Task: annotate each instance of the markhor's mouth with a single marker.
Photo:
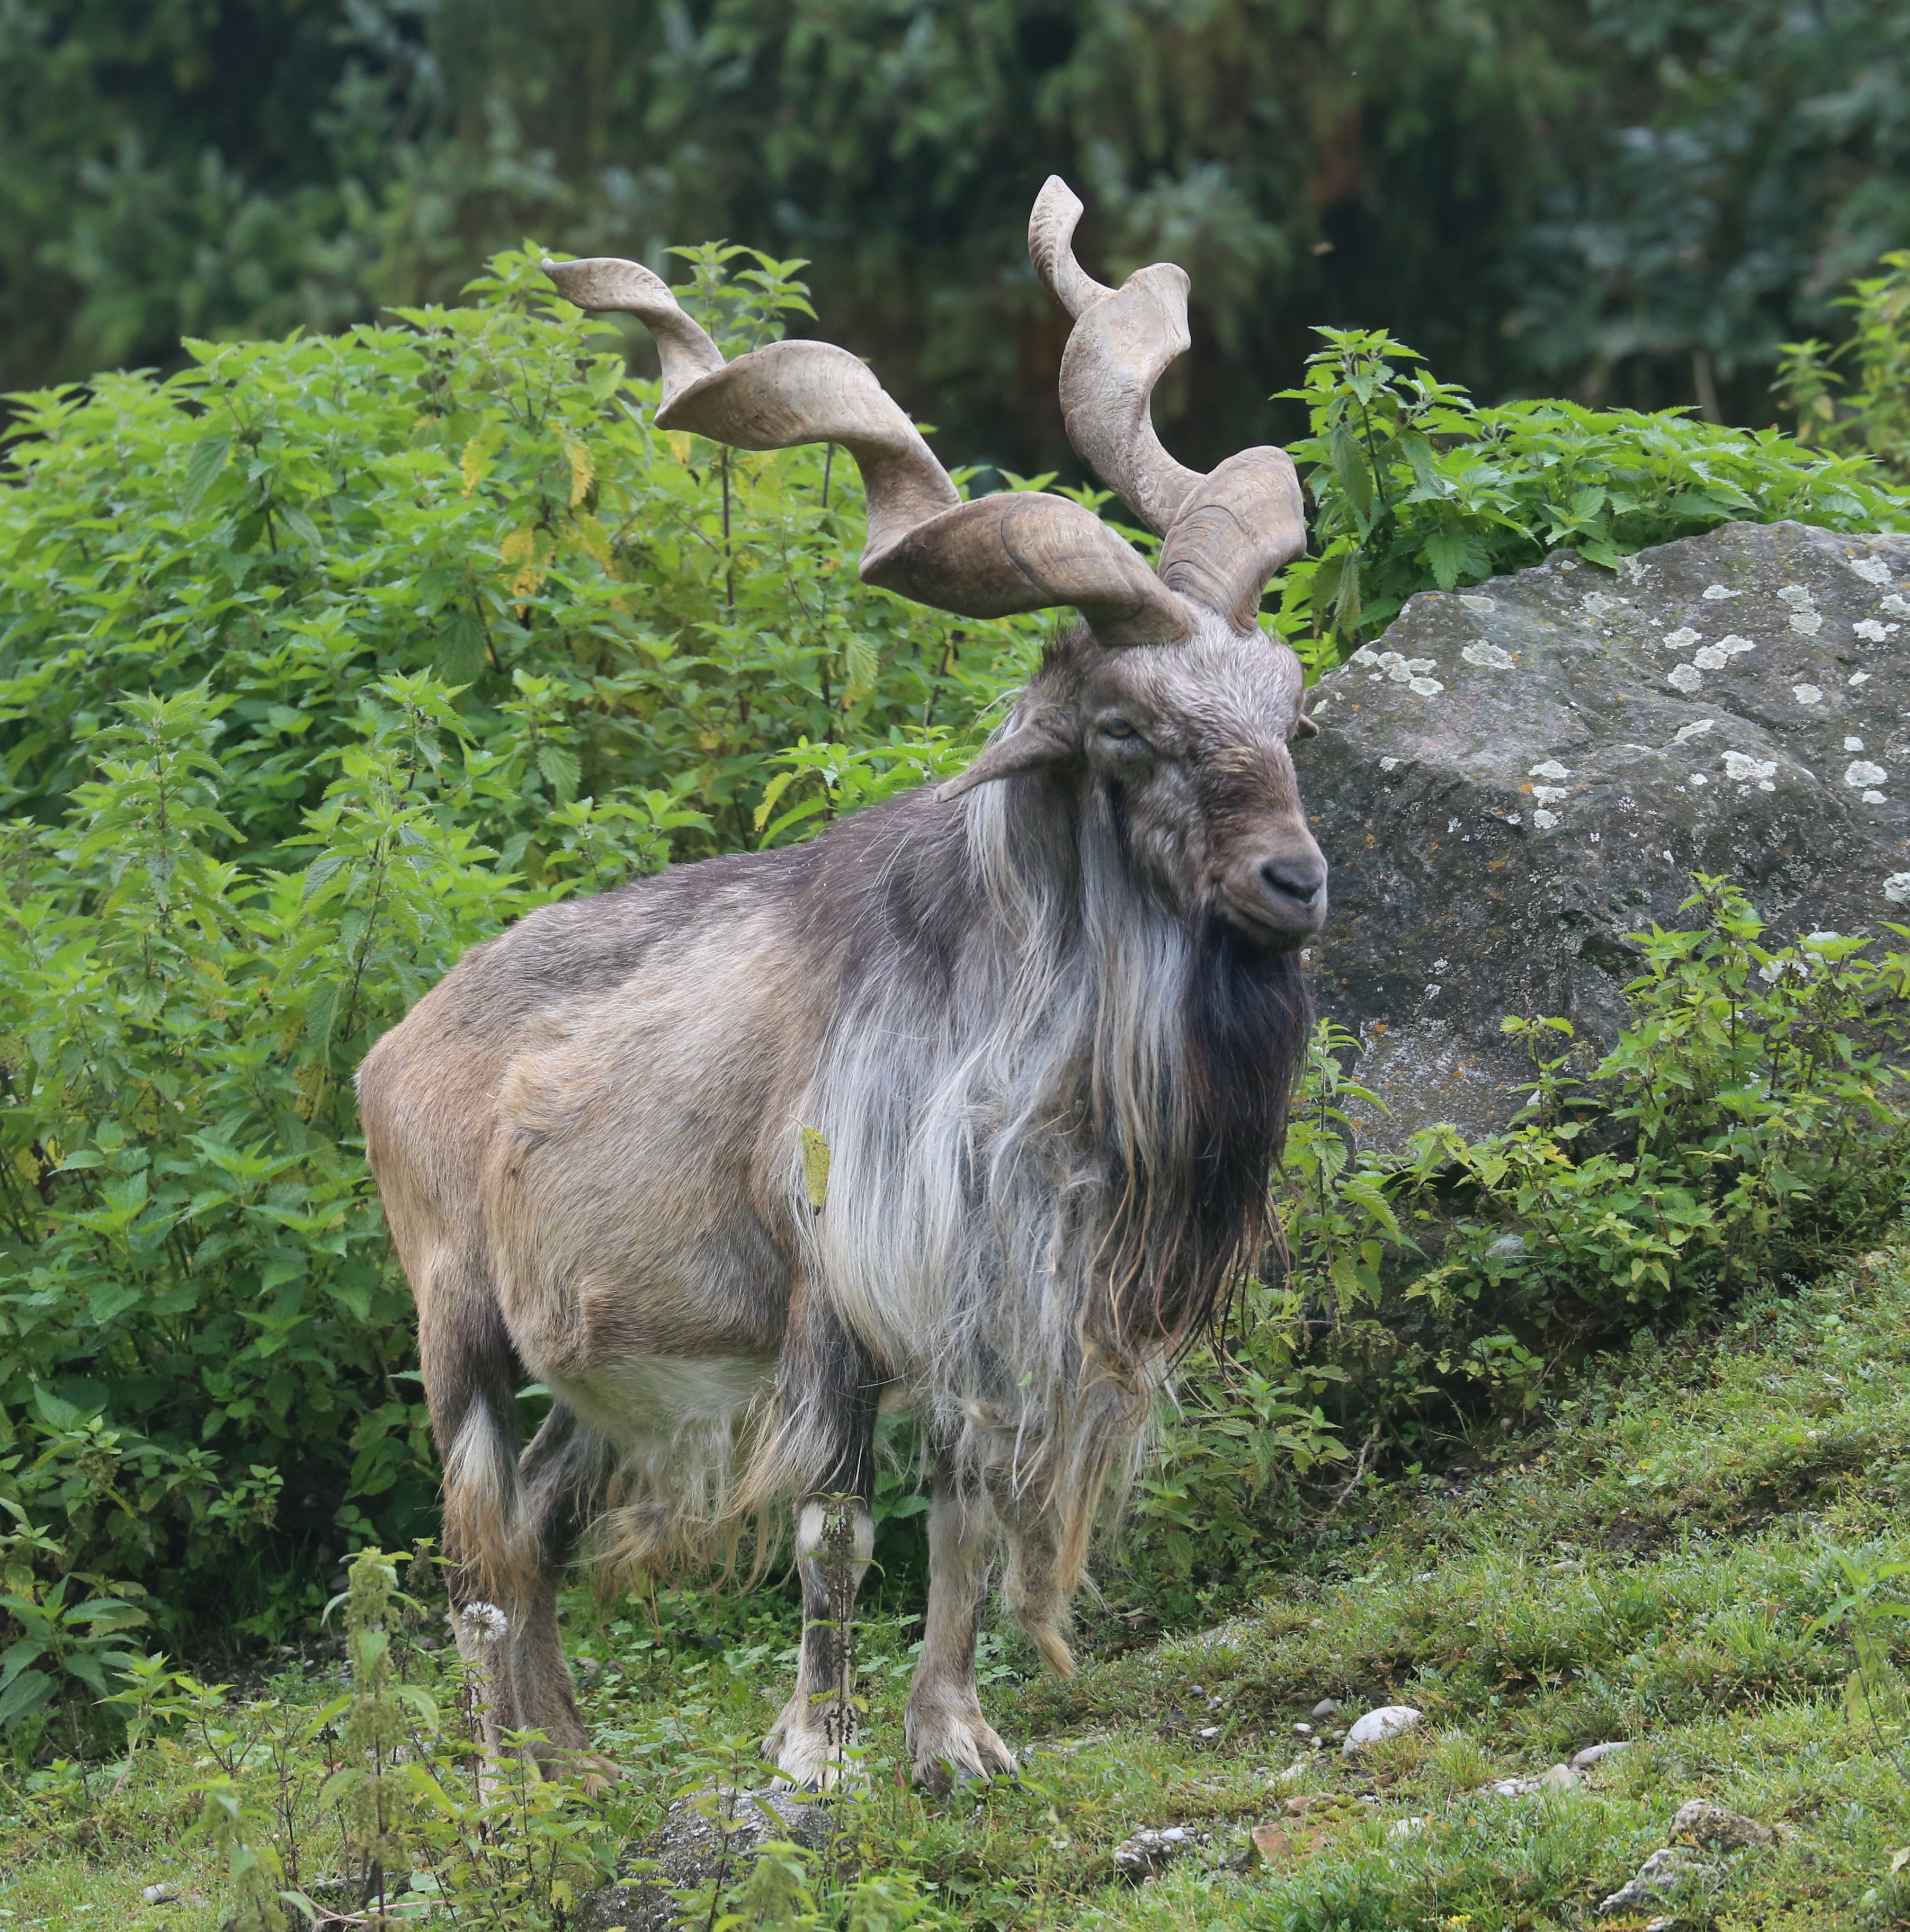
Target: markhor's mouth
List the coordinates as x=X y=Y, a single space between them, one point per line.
x=1259 y=925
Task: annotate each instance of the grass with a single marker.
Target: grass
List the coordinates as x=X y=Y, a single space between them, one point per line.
x=1649 y=1570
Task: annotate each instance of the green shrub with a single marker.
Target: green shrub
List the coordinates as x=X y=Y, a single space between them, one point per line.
x=319 y=663
x=323 y=660
x=1870 y=411
x=1414 y=487
x=1750 y=1124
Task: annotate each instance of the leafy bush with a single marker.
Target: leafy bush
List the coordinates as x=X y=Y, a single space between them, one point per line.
x=1416 y=487
x=319 y=664
x=1871 y=412
x=323 y=660
x=1751 y=1123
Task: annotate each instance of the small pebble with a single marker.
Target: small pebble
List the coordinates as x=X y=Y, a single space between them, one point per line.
x=1597 y=1753
x=1208 y=1731
x=1326 y=1709
x=1404 y=1828
x=1303 y=1730
x=1389 y=1721
x=161 y=1894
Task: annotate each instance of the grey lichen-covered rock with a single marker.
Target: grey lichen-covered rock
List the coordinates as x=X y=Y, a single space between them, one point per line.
x=1148 y=1852
x=1515 y=777
x=1665 y=1871
x=1721 y=1829
x=692 y=1847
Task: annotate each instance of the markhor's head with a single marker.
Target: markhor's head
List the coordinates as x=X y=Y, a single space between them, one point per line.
x=1170 y=706
x=1188 y=749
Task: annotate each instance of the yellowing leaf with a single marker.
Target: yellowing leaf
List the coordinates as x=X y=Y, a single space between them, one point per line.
x=679 y=442
x=815 y=1166
x=520 y=548
x=473 y=463
x=593 y=540
x=583 y=472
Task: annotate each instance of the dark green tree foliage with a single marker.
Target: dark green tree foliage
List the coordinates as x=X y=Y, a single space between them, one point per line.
x=1634 y=200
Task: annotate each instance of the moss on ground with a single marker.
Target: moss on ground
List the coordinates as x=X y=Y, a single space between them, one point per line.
x=1650 y=1571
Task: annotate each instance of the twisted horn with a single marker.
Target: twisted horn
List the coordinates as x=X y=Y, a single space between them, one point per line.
x=1123 y=338
x=1226 y=533
x=992 y=558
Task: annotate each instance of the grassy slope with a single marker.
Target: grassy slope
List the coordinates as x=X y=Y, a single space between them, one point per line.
x=1649 y=1575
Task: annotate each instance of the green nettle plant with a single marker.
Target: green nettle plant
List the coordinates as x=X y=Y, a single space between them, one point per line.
x=1750 y=1123
x=325 y=659
x=1414 y=487
x=319 y=664
x=1857 y=396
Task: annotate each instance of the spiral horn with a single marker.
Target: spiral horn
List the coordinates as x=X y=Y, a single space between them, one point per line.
x=992 y=558
x=1226 y=533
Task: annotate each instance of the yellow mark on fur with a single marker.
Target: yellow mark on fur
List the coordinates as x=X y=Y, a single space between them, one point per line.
x=815 y=1166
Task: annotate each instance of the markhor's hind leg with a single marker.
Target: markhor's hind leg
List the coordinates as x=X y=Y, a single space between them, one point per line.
x=949 y=1739
x=562 y=1473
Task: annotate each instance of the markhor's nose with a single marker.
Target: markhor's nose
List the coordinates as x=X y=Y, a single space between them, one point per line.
x=1302 y=881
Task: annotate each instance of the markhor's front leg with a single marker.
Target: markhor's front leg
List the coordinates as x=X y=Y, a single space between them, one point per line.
x=834 y=1537
x=828 y=1393
x=949 y=1739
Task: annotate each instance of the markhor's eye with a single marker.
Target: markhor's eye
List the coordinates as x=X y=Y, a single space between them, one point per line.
x=1119 y=727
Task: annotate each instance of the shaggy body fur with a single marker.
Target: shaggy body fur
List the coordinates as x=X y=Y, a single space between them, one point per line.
x=1049 y=1052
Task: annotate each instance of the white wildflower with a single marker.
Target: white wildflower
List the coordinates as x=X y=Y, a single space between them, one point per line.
x=484 y=1621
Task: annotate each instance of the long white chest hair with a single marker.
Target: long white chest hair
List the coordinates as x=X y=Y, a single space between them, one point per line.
x=1010 y=1228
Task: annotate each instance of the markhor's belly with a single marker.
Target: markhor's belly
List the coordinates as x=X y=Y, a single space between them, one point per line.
x=643 y=1401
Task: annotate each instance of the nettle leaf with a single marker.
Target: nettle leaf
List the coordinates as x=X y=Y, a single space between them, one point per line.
x=561 y=771
x=24 y=1696
x=1454 y=554
x=204 y=461
x=463 y=646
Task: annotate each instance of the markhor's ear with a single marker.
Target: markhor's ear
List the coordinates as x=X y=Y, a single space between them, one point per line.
x=1041 y=738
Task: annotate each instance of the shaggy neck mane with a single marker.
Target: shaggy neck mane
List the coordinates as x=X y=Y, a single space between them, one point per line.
x=1052 y=1106
x=1173 y=1067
